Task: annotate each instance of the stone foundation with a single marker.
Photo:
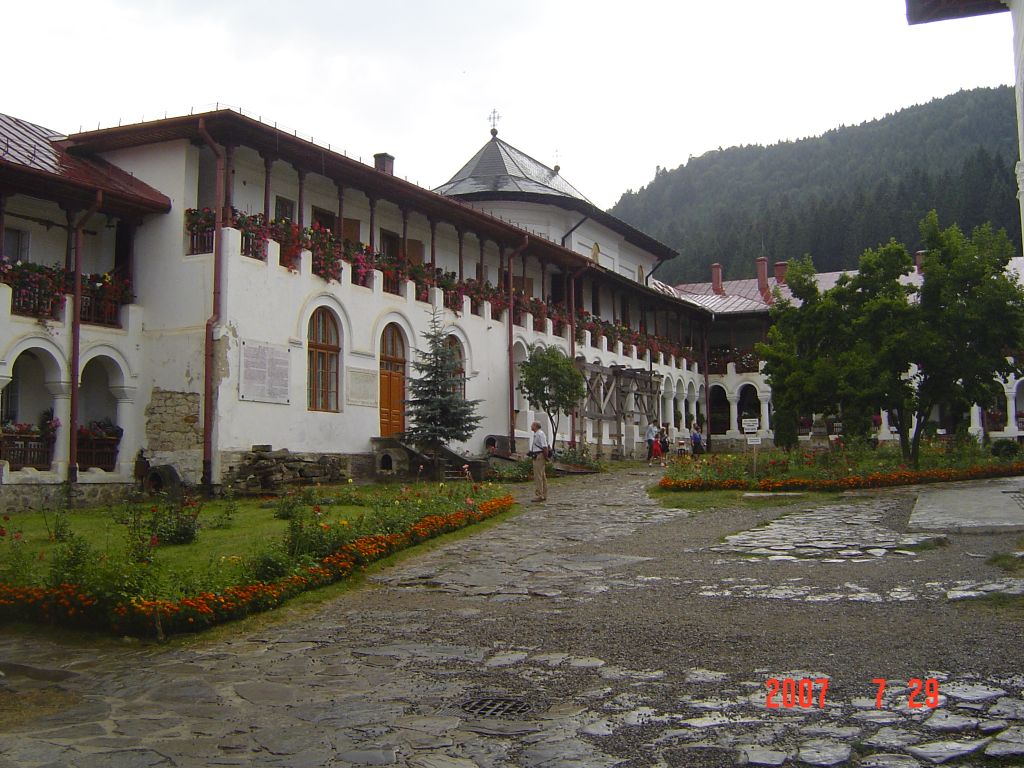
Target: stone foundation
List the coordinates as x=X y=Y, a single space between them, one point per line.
x=14 y=498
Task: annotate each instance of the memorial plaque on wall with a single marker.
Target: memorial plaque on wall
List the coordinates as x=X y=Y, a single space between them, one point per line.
x=264 y=374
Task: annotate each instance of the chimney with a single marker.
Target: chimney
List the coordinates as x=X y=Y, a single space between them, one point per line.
x=780 y=272
x=918 y=261
x=384 y=163
x=762 y=276
x=716 y=279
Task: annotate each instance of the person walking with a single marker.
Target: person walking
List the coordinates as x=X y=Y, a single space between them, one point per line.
x=539 y=449
x=651 y=435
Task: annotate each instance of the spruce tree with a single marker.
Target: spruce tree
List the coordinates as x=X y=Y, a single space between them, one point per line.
x=436 y=406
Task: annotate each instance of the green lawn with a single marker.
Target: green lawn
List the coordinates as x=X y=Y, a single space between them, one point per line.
x=216 y=558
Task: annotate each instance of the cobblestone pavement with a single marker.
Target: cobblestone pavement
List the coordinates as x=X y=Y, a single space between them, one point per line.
x=598 y=629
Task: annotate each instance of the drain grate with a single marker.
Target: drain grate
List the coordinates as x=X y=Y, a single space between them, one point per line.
x=497 y=706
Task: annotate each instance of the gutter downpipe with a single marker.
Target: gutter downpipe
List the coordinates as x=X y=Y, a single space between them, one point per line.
x=572 y=336
x=209 y=395
x=76 y=340
x=511 y=368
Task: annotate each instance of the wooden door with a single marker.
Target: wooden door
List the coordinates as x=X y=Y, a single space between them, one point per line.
x=392 y=382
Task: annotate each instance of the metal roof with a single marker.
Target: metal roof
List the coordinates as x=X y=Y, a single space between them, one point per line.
x=500 y=167
x=37 y=160
x=499 y=171
x=923 y=11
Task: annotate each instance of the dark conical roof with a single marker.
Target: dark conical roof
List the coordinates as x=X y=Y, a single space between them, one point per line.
x=500 y=167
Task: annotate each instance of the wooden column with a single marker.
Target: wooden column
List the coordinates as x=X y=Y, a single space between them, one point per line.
x=543 y=280
x=433 y=243
x=501 y=268
x=229 y=199
x=405 y=234
x=460 y=233
x=302 y=198
x=268 y=169
x=481 y=273
x=3 y=207
x=373 y=220
x=69 y=263
x=339 y=224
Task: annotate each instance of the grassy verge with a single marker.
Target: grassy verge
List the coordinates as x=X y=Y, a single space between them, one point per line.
x=1008 y=561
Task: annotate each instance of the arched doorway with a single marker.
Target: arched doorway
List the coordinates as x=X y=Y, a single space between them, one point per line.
x=749 y=406
x=392 y=381
x=719 y=422
x=27 y=411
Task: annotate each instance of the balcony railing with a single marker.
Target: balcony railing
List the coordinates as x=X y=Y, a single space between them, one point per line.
x=99 y=452
x=21 y=451
x=98 y=308
x=392 y=283
x=200 y=242
x=36 y=301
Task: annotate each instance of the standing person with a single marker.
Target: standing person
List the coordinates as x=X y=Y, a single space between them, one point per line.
x=650 y=436
x=538 y=451
x=696 y=440
x=663 y=439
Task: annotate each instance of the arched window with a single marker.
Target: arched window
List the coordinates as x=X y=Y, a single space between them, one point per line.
x=459 y=377
x=324 y=352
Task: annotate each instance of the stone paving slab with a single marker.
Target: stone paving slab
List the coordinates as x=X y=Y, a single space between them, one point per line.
x=384 y=676
x=979 y=506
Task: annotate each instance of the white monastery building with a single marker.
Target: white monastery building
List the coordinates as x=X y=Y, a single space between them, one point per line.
x=183 y=290
x=220 y=300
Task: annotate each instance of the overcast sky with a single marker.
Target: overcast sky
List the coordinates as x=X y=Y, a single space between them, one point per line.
x=607 y=90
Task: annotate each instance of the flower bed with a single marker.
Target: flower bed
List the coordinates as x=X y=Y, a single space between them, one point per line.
x=869 y=480
x=71 y=605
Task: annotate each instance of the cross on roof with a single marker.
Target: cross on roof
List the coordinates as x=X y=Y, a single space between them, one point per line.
x=494 y=117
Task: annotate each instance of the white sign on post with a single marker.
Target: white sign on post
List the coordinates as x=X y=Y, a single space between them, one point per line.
x=751 y=425
x=753 y=440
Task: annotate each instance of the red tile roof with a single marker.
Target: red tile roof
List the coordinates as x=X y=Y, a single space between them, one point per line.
x=36 y=160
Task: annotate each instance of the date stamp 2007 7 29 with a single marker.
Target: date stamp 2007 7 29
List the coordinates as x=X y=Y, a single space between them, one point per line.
x=807 y=692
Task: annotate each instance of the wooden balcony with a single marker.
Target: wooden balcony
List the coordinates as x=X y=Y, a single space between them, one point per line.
x=27 y=450
x=98 y=309
x=98 y=452
x=40 y=302
x=200 y=242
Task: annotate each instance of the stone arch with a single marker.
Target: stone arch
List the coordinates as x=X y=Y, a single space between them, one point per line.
x=403 y=323
x=114 y=363
x=718 y=405
x=749 y=403
x=312 y=304
x=51 y=357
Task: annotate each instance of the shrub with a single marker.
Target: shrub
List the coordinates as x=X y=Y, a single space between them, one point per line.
x=1005 y=449
x=176 y=522
x=268 y=564
x=72 y=562
x=287 y=506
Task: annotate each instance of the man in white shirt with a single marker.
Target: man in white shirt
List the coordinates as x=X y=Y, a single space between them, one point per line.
x=538 y=452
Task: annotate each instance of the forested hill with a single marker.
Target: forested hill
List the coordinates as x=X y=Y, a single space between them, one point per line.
x=835 y=195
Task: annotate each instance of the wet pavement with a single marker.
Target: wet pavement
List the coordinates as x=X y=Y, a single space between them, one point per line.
x=598 y=629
